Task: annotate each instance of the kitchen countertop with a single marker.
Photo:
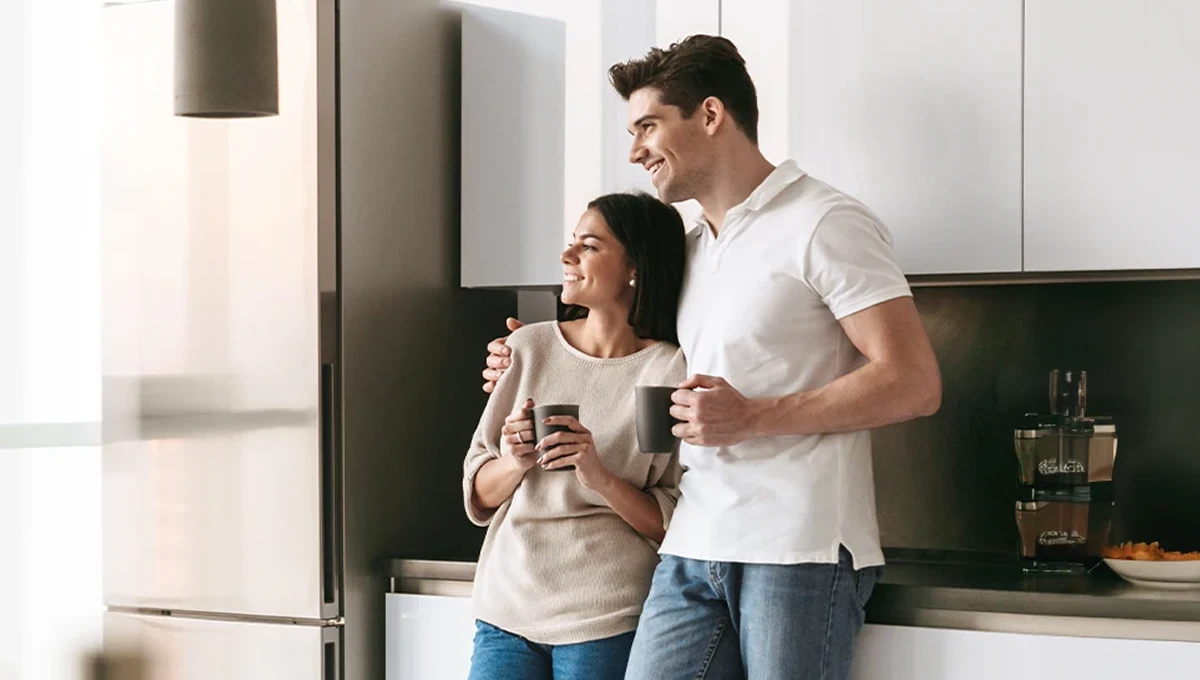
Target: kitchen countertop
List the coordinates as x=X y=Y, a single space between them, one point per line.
x=956 y=590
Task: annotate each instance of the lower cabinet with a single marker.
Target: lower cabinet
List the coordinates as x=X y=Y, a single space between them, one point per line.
x=910 y=653
x=429 y=637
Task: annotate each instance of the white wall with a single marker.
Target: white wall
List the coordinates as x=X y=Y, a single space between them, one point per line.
x=49 y=338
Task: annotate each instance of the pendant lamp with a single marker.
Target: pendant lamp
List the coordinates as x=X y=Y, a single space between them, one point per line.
x=226 y=59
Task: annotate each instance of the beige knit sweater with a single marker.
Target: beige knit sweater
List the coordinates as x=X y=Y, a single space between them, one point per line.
x=558 y=565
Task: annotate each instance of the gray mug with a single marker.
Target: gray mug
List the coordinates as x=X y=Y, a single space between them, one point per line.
x=654 y=419
x=542 y=430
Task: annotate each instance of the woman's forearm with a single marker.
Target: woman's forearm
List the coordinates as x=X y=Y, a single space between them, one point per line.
x=638 y=508
x=495 y=482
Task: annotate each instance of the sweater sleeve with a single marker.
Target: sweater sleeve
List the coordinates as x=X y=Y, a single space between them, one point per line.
x=664 y=483
x=666 y=488
x=487 y=444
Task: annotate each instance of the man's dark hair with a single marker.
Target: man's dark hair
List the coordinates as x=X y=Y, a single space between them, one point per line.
x=688 y=72
x=652 y=234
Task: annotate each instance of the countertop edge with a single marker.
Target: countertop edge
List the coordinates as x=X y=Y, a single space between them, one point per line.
x=954 y=607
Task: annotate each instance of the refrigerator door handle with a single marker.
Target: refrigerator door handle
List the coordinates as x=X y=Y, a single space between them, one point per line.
x=331 y=659
x=331 y=495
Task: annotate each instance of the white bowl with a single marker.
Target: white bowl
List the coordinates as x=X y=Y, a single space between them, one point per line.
x=1164 y=575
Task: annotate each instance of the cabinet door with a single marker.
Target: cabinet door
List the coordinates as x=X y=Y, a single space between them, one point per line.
x=429 y=637
x=913 y=653
x=182 y=648
x=513 y=136
x=912 y=107
x=211 y=474
x=543 y=132
x=1111 y=140
x=675 y=20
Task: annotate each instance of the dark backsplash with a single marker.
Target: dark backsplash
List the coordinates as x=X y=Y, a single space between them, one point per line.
x=947 y=482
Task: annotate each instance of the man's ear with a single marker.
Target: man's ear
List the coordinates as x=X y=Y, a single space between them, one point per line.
x=714 y=113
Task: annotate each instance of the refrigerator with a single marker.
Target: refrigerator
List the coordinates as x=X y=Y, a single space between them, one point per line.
x=290 y=370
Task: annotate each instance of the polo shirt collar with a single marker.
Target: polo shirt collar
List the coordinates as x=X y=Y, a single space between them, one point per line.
x=783 y=176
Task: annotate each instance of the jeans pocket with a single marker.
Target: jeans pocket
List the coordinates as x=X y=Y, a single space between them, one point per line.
x=864 y=583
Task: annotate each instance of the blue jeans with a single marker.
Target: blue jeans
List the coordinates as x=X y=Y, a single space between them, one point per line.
x=500 y=655
x=718 y=620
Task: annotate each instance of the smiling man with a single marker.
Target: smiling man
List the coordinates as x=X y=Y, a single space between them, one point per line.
x=800 y=336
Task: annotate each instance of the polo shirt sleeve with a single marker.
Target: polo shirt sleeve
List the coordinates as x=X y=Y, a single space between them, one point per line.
x=849 y=262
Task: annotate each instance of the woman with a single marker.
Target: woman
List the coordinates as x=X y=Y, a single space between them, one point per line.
x=568 y=556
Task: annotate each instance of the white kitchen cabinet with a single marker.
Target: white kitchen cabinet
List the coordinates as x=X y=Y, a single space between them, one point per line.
x=1112 y=96
x=513 y=147
x=429 y=637
x=543 y=132
x=912 y=653
x=677 y=19
x=912 y=107
x=184 y=648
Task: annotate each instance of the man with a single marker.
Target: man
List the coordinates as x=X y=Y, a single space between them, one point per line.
x=801 y=336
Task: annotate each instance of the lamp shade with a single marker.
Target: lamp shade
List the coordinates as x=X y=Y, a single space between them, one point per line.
x=226 y=59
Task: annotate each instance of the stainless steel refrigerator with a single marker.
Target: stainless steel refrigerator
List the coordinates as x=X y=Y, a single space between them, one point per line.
x=290 y=368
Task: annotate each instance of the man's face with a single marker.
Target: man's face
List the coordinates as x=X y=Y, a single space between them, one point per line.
x=673 y=149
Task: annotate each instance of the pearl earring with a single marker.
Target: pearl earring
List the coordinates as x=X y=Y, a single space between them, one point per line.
x=632 y=282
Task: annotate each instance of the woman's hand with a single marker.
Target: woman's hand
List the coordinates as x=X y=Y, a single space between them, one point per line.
x=518 y=434
x=577 y=448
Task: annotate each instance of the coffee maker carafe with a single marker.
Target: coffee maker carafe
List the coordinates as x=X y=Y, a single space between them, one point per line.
x=1064 y=493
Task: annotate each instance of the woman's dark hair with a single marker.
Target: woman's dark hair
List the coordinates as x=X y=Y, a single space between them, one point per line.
x=652 y=234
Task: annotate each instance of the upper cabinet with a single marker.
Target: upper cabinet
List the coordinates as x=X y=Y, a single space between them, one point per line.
x=913 y=107
x=513 y=162
x=674 y=21
x=543 y=132
x=677 y=19
x=1112 y=100
x=990 y=137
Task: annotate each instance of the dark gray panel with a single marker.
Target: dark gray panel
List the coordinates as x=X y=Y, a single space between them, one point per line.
x=412 y=340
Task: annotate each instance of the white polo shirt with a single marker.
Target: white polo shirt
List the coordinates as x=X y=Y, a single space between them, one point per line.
x=760 y=308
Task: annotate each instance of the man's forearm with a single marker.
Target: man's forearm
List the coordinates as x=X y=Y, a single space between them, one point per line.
x=873 y=396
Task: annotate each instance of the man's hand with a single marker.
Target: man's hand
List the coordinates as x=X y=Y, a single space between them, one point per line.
x=498 y=353
x=714 y=413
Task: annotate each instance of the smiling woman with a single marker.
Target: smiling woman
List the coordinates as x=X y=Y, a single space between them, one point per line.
x=542 y=601
x=613 y=258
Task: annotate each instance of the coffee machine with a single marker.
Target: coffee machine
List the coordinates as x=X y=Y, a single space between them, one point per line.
x=1065 y=462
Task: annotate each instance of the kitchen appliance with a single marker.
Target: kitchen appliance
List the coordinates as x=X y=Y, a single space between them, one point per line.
x=1064 y=493
x=285 y=345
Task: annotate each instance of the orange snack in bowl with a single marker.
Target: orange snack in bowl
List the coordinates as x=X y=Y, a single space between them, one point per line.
x=1147 y=552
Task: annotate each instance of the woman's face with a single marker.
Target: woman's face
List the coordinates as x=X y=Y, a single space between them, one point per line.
x=596 y=271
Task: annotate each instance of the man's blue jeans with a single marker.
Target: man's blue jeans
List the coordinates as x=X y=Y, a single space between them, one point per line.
x=500 y=655
x=719 y=620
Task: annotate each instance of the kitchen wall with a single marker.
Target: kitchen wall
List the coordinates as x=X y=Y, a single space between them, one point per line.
x=947 y=481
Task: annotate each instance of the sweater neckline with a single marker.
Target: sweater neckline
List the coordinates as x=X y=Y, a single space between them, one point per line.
x=562 y=340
